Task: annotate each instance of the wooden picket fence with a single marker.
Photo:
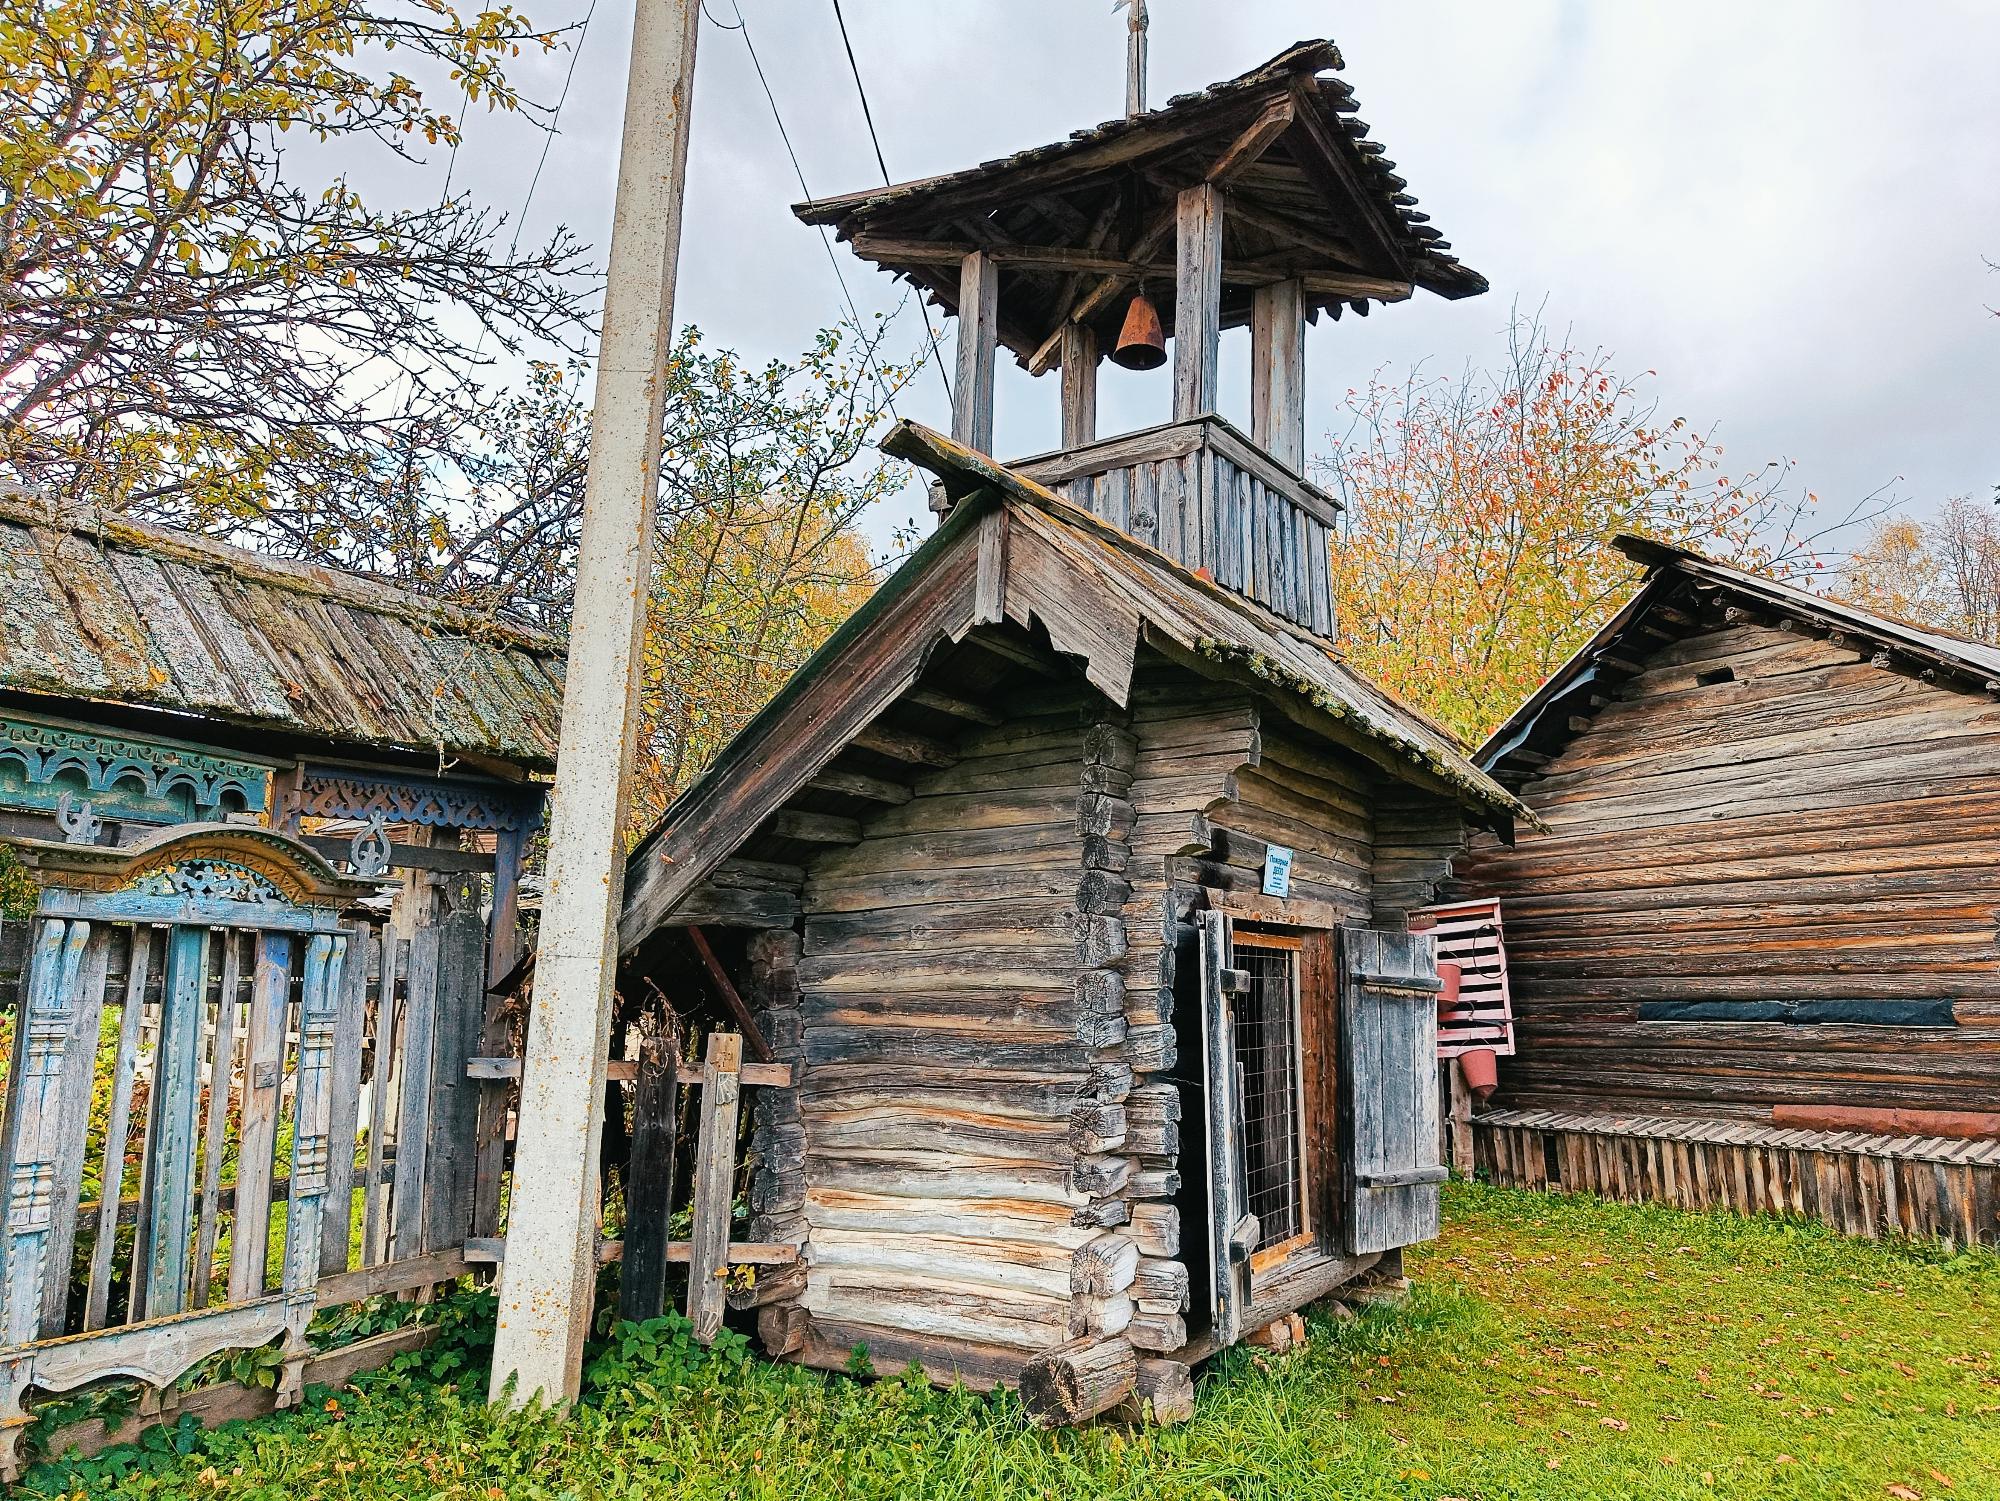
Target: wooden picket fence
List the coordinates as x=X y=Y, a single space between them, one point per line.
x=646 y=1249
x=233 y=1100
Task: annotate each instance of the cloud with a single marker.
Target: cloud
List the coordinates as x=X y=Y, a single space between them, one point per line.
x=1781 y=208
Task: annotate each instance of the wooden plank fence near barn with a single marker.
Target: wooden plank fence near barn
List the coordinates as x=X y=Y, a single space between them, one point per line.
x=216 y=986
x=1859 y=1183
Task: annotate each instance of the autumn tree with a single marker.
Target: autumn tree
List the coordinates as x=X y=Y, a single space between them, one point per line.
x=201 y=320
x=1944 y=574
x=1474 y=558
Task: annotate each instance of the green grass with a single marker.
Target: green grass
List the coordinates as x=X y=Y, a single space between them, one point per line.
x=1554 y=1348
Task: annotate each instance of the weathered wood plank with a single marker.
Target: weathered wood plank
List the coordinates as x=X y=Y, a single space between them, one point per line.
x=118 y=1126
x=414 y=1057
x=649 y=1180
x=337 y=1226
x=221 y=1086
x=1197 y=298
x=714 y=1183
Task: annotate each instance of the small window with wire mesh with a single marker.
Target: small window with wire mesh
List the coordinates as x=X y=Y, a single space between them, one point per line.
x=1270 y=1084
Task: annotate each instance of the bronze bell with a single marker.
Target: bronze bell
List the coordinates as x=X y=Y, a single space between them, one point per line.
x=1141 y=345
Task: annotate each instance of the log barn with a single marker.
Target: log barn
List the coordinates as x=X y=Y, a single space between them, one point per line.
x=1071 y=876
x=1753 y=947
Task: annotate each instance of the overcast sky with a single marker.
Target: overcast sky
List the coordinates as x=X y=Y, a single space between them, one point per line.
x=1782 y=209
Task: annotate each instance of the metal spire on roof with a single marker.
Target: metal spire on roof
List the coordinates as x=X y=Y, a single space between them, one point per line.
x=1135 y=56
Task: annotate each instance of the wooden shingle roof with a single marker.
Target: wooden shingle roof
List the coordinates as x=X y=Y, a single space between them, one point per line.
x=1011 y=553
x=1308 y=195
x=102 y=609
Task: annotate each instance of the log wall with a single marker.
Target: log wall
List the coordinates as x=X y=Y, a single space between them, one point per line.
x=961 y=1099
x=1811 y=827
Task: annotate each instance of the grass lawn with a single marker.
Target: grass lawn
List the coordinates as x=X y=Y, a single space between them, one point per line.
x=1554 y=1348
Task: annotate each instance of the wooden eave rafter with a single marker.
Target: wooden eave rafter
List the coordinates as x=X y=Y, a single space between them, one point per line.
x=1324 y=159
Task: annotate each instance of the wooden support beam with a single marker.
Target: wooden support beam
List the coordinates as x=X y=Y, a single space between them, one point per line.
x=857 y=784
x=1079 y=385
x=1141 y=250
x=1013 y=257
x=1278 y=373
x=1256 y=139
x=725 y=990
x=958 y=708
x=1197 y=299
x=899 y=745
x=714 y=1181
x=814 y=828
x=978 y=333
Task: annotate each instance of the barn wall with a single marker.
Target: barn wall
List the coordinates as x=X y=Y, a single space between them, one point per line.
x=1817 y=828
x=956 y=1128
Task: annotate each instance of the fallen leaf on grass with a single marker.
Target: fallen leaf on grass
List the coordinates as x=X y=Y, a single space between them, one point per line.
x=1943 y=1480
x=1619 y=1423
x=1906 y=1493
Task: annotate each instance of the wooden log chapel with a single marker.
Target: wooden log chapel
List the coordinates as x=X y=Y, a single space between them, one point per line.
x=1070 y=877
x=1752 y=947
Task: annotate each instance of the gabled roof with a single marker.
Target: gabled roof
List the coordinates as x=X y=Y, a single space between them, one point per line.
x=1308 y=195
x=112 y=611
x=1541 y=725
x=1012 y=551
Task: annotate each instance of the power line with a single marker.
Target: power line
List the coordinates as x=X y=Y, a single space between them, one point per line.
x=867 y=114
x=854 y=312
x=555 y=119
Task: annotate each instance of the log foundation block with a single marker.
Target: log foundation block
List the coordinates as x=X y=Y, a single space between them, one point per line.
x=1280 y=1335
x=1162 y=1395
x=1078 y=1380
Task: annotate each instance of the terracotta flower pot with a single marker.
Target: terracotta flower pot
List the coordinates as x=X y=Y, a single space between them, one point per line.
x=1482 y=1072
x=1450 y=973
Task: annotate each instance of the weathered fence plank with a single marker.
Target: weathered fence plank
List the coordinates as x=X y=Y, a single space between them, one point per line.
x=649 y=1181
x=714 y=1183
x=454 y=1105
x=118 y=1127
x=414 y=1058
x=375 y=1199
x=86 y=997
x=221 y=1080
x=336 y=1228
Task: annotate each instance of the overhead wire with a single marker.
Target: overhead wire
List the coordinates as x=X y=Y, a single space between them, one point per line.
x=854 y=312
x=867 y=114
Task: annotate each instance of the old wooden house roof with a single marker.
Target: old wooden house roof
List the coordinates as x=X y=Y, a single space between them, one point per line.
x=1541 y=726
x=1013 y=551
x=112 y=611
x=1308 y=195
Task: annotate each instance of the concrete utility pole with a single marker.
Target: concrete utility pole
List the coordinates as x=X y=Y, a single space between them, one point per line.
x=549 y=1274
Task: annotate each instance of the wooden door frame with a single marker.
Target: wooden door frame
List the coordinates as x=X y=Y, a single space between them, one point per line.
x=1321 y=1122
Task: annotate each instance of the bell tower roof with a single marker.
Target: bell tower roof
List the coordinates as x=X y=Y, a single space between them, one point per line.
x=1306 y=198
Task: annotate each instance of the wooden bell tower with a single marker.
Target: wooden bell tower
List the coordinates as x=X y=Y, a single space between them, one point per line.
x=1259 y=201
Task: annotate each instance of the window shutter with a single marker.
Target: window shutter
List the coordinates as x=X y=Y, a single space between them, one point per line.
x=1232 y=1232
x=1389 y=1077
